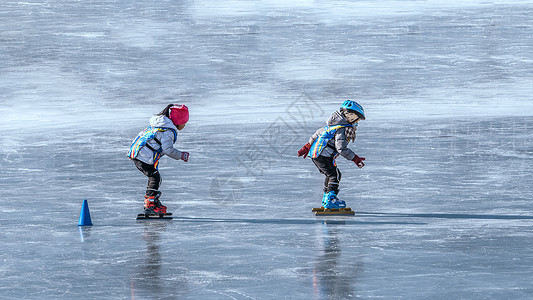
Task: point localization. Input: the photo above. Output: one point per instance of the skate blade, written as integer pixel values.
(154, 216)
(321, 211)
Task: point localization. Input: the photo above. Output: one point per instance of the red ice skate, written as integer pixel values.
(154, 210)
(152, 205)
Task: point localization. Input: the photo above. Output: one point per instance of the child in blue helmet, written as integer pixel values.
(330, 141)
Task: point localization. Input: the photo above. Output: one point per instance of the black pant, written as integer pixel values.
(333, 175)
(154, 178)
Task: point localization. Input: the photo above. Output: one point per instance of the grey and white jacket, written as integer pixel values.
(165, 137)
(338, 144)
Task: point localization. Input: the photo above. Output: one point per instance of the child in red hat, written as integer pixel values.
(151, 144)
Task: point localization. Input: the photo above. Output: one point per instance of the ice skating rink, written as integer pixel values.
(443, 207)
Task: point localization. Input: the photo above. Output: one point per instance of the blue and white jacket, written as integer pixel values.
(331, 139)
(162, 134)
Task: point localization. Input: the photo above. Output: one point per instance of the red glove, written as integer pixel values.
(304, 151)
(185, 156)
(359, 161)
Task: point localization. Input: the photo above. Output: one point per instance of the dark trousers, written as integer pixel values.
(326, 166)
(154, 178)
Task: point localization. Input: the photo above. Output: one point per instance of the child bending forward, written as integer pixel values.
(151, 144)
(330, 141)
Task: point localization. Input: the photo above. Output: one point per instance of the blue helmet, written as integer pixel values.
(353, 106)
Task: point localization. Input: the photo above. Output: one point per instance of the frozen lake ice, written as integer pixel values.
(443, 206)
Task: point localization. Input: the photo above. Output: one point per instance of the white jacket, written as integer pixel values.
(165, 137)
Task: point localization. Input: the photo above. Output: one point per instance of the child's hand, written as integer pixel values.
(185, 156)
(359, 161)
(305, 150)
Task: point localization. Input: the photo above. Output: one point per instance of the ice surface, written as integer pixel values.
(443, 207)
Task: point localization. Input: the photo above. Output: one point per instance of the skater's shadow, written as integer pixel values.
(331, 220)
(445, 216)
(332, 278)
(148, 276)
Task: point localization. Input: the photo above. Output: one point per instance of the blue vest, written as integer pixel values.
(323, 139)
(142, 139)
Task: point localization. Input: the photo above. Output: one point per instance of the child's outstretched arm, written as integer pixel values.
(341, 144)
(305, 149)
(167, 147)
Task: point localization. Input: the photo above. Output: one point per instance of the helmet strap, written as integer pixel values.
(344, 111)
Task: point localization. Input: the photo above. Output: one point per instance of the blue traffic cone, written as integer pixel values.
(85, 215)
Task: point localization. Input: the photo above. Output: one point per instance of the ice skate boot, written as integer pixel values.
(325, 199)
(149, 205)
(331, 206)
(152, 205)
(159, 208)
(331, 201)
(154, 210)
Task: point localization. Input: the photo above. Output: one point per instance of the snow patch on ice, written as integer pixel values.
(43, 97)
(330, 11)
(90, 35)
(511, 98)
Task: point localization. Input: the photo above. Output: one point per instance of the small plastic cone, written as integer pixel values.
(85, 215)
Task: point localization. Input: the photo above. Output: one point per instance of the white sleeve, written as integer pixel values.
(167, 145)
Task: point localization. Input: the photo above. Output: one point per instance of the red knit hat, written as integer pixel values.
(179, 114)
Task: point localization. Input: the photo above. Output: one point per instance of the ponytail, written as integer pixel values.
(166, 112)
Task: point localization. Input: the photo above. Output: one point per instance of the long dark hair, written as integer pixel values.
(166, 111)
